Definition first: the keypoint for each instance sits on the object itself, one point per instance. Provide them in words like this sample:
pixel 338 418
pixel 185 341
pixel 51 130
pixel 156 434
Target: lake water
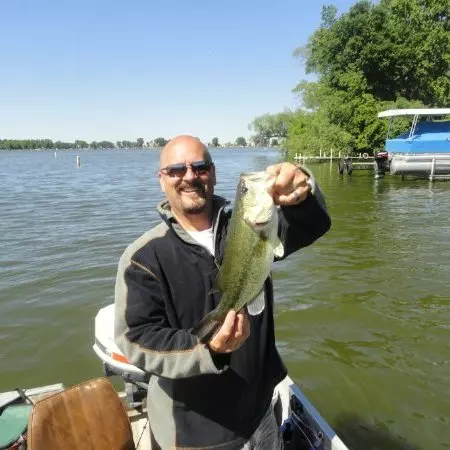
pixel 362 316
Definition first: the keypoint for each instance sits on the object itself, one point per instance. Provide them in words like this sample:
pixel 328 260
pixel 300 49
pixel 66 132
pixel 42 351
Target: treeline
pixel 388 55
pixel 46 144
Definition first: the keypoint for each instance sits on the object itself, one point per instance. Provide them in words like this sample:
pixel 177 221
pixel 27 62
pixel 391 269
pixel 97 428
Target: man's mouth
pixel 200 190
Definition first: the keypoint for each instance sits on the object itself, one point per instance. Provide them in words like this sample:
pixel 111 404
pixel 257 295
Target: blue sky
pixel 116 70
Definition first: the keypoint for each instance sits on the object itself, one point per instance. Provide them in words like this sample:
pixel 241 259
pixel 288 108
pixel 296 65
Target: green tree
pixel 241 142
pixel 105 144
pixel 140 142
pixel 270 126
pixel 401 48
pixel 215 142
pixel 259 140
pixel 160 142
pixel 81 144
pixel 128 144
pixel 391 54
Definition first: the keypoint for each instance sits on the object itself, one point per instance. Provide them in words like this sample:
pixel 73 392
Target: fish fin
pixel 256 306
pixel 278 250
pixel 215 286
pixel 207 327
pixel 214 290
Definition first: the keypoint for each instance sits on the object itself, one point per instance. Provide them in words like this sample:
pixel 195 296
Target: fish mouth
pixel 257 225
pixel 255 176
pixel 260 224
pixel 264 178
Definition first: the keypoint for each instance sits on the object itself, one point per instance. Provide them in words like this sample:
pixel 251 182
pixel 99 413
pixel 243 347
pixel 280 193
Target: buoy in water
pixel 78 161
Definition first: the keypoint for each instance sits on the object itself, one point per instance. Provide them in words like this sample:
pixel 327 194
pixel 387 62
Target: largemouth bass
pixel 251 243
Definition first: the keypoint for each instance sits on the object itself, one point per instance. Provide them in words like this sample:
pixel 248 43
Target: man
pixel 215 396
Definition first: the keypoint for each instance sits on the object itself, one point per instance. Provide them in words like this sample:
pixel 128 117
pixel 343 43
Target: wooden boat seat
pixel 87 416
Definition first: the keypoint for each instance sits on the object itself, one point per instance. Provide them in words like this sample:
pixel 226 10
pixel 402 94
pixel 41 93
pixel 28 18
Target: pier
pixel 346 163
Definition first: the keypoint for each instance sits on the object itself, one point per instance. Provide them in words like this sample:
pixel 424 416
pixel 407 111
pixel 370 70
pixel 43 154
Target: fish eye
pixel 244 189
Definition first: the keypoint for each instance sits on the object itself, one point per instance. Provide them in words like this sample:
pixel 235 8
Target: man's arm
pixel 300 225
pixel 143 332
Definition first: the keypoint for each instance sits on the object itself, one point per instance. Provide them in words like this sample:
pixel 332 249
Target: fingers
pixel 227 329
pixel 296 196
pixel 245 328
pixel 291 184
pixel 273 170
pixel 239 329
pixel 232 334
pixel 242 330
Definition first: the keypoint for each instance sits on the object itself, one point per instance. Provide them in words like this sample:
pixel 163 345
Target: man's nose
pixel 190 174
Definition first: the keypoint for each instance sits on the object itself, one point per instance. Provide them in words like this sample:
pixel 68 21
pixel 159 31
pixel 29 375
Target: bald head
pixel 178 147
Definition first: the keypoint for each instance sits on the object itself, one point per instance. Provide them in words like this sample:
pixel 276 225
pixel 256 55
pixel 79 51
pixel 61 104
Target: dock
pixel 346 164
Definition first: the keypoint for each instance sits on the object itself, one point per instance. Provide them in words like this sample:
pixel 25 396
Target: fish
pixel 251 245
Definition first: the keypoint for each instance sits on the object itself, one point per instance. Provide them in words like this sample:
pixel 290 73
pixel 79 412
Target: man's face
pixel 188 191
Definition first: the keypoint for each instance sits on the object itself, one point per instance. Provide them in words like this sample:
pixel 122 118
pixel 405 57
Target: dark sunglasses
pixel 180 169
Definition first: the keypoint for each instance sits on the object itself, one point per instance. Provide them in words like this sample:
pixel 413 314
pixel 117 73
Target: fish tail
pixel 207 327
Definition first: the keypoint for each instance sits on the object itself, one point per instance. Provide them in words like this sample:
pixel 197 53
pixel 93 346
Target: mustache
pixel 196 184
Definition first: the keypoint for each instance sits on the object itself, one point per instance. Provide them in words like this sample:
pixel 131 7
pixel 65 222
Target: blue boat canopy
pixel 423 137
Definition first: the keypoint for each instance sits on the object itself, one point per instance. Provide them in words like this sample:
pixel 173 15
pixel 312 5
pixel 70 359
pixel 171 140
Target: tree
pixel 81 144
pixel 215 142
pixel 241 142
pixel 140 142
pixel 105 144
pixel 128 144
pixel 399 47
pixel 270 126
pixel 160 142
pixel 259 141
pixel 392 54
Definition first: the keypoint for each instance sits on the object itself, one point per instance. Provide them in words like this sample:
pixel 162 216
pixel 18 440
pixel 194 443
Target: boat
pixel 424 150
pixel 302 426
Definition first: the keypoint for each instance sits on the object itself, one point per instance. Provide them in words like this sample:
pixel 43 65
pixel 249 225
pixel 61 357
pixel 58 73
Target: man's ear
pixel 161 182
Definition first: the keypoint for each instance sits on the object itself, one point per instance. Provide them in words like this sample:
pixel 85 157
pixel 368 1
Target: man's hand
pixel 291 184
pixel 232 334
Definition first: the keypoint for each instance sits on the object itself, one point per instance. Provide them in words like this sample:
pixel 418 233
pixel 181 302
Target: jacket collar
pixel 219 204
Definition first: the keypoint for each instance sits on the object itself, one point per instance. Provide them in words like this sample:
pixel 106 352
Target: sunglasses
pixel 179 169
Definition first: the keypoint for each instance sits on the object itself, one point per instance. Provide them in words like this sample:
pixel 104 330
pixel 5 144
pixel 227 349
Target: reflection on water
pixel 362 316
